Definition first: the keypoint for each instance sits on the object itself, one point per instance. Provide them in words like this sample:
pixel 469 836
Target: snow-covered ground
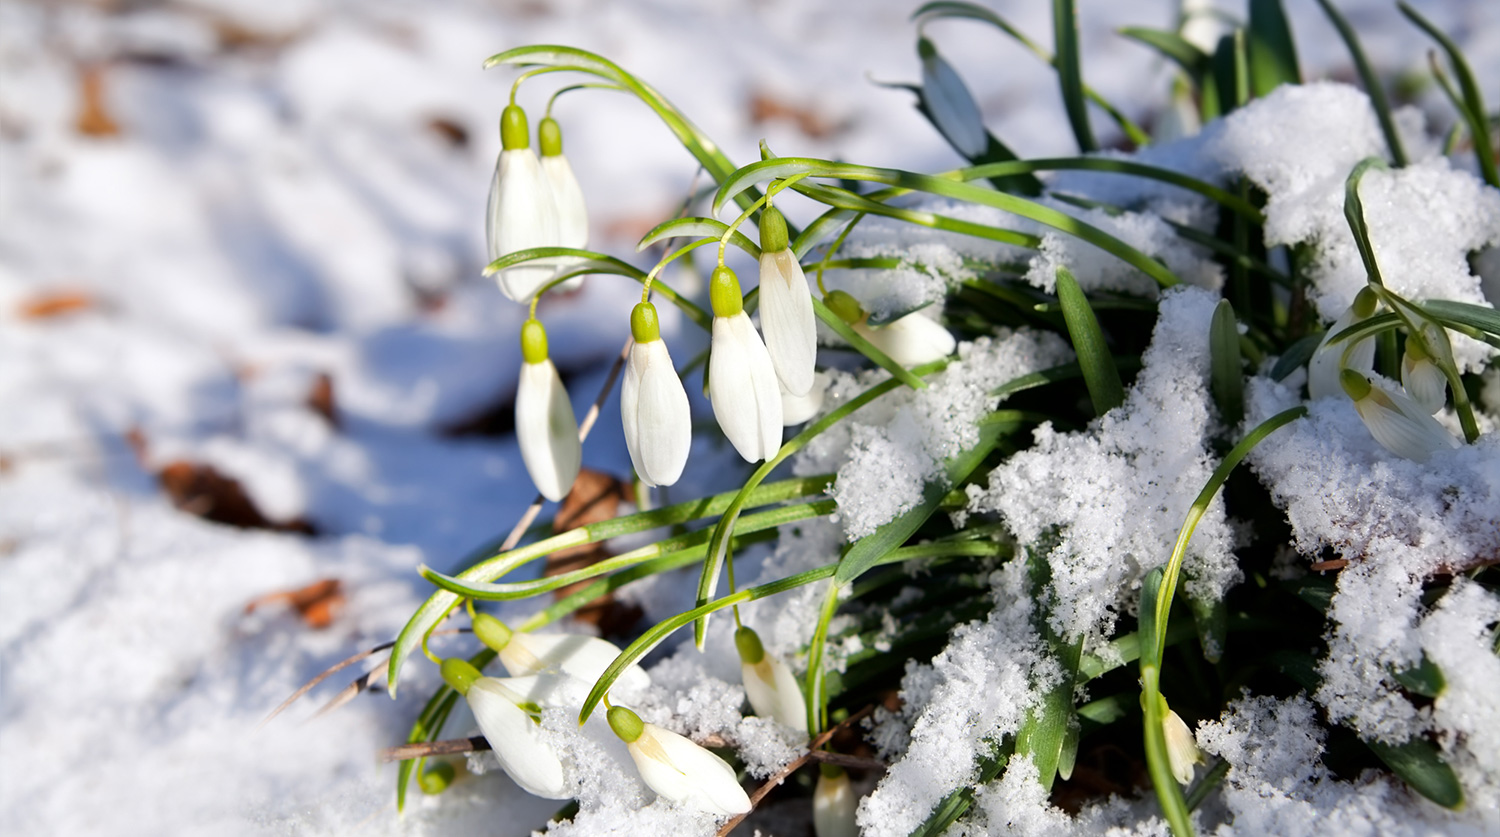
pixel 208 207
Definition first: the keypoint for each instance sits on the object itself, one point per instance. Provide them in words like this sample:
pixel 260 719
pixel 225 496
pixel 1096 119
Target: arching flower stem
pixel 753 208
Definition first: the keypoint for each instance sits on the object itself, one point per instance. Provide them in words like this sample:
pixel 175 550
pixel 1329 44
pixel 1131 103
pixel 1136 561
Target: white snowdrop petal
pixel 786 317
pixel 1425 383
pixel 1323 370
pixel 559 690
pixel 522 215
pixel 796 409
pixel 834 806
pixel 683 772
pixel 1182 749
pixel 911 340
pixel 572 212
pixel 547 430
pixel 1402 426
pixel 517 741
pixel 663 421
pixel 952 107
pixel 576 655
pixel 742 386
pixel 774 692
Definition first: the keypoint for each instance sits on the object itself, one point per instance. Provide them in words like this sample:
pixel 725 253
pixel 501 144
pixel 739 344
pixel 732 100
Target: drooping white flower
pixel 1399 424
pixel 545 426
pixel 796 409
pixel 575 655
pixel 653 405
pixel 511 731
pixel 834 803
pixel 950 103
pixel 677 769
pixel 742 383
pixel 1182 748
pixel 567 195
pixel 911 340
pixel 522 212
pixel 1323 370
pixel 786 311
pixel 773 690
pixel 1420 373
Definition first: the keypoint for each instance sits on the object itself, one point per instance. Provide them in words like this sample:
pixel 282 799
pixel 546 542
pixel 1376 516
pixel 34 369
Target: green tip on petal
pixel 1356 385
pixel 830 771
pixel 626 724
pixel 436 779
pixel 845 306
pixel 747 641
pixel 925 49
pixel 514 133
pixel 773 237
pixel 491 631
pixel 1365 303
pixel 533 341
pixel 549 137
pixel 644 326
pixel 724 292
pixel 459 674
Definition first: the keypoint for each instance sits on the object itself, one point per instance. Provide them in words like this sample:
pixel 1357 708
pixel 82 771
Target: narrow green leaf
pixel 1226 371
pixel 1371 81
pixel 1473 110
pixel 1273 55
pixel 1421 767
pixel 1205 786
pixel 602 263
pixel 697 228
pixel 1168 793
pixel 1099 372
pixel 1464 314
pixel 956 803
pixel 1424 678
pixel 1070 72
pixel 1107 710
pixel 1296 356
pixel 1192 60
pixel 1354 214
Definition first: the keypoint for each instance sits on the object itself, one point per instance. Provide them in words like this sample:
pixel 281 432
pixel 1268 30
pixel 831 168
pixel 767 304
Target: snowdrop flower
pixel 677 769
pixel 653 405
pixel 1182 748
pixel 741 380
pixel 796 409
pixel 581 657
pixel 513 735
pixel 949 102
pixel 911 340
pixel 1399 424
pixel 786 311
pixel 1420 373
pixel 567 195
pixel 773 691
pixel 545 426
pixel 1323 369
pixel 522 213
pixel 834 803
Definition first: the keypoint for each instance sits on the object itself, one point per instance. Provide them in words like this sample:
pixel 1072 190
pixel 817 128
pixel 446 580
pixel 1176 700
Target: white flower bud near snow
pixel 513 735
pixel 1182 748
pixel 1420 374
pixel 522 212
pixel 911 340
pixel 545 426
pixel 576 655
pixel 834 804
pixel 769 684
pixel 677 769
pixel 950 103
pixel 1323 370
pixel 567 196
pixel 786 311
pixel 796 409
pixel 1399 424
pixel 654 408
pixel 742 383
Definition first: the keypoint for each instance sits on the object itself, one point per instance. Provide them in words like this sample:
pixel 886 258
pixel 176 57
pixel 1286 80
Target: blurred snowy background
pixel 245 347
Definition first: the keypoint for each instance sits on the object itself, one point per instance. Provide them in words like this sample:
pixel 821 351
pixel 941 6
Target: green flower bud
pixel 1356 385
pixel 549 137
pixel 747 641
pixel 925 49
pixel 514 133
pixel 491 631
pixel 832 771
pixel 436 779
pixel 1365 303
pixel 626 724
pixel 724 293
pixel 533 341
pixel 644 326
pixel 845 306
pixel 459 674
pixel 773 238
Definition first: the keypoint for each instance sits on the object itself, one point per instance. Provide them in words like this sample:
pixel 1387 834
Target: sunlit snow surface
pixel 296 188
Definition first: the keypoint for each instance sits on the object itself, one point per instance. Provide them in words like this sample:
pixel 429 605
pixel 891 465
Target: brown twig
pixel 795 765
pixel 426 749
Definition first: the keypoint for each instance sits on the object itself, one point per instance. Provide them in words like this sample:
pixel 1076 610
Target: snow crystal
pixel 1115 496
pixel 1097 270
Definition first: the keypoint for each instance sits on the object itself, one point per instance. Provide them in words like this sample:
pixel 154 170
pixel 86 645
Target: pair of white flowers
pixel 1399 419
pixel 533 203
